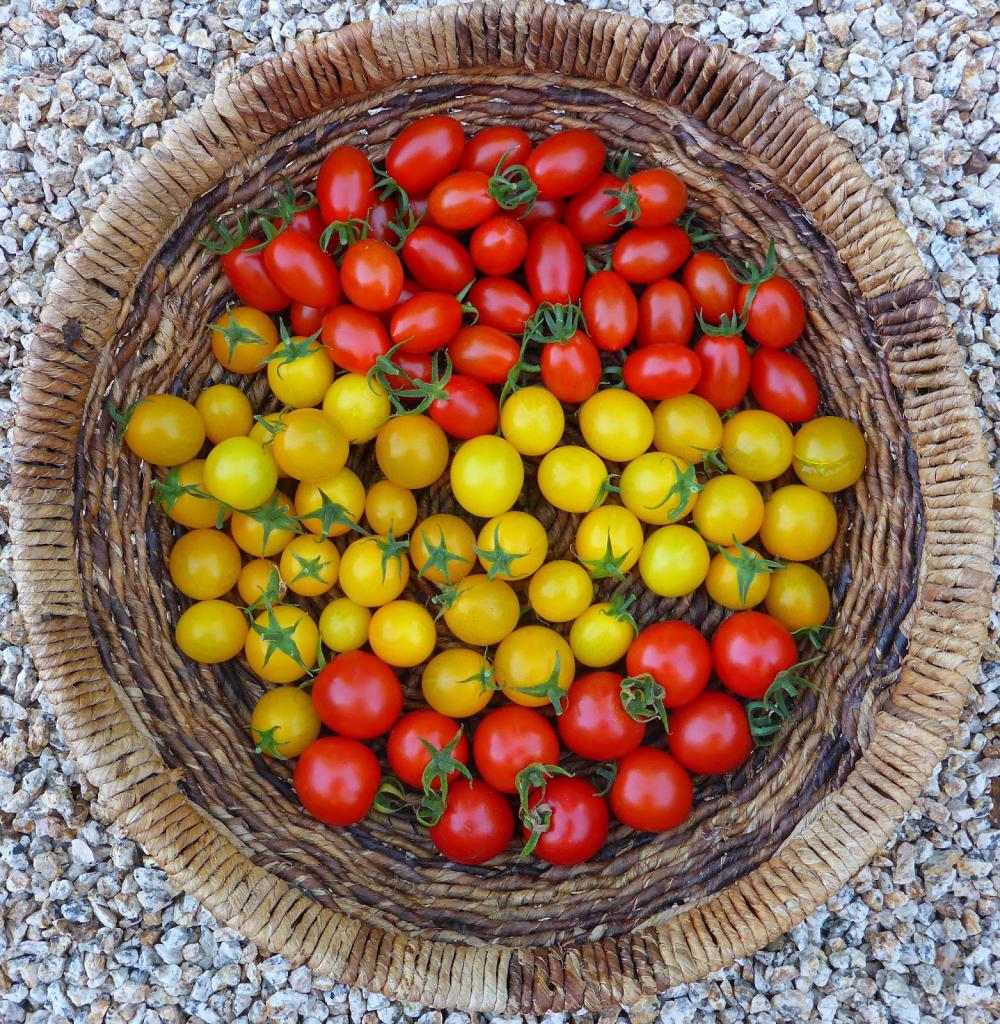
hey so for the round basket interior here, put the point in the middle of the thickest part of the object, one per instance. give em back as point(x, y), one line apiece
point(374, 903)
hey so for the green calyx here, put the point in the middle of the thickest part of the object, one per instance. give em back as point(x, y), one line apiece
point(270, 595)
point(392, 550)
point(342, 234)
point(170, 490)
point(290, 350)
point(390, 798)
point(749, 564)
point(730, 326)
point(122, 417)
point(551, 323)
point(604, 777)
point(767, 715)
point(285, 203)
point(712, 460)
point(537, 819)
point(699, 237)
point(439, 556)
point(278, 638)
point(642, 698)
point(234, 335)
point(620, 609)
point(310, 568)
point(685, 486)
point(626, 209)
point(813, 635)
point(511, 187)
point(331, 513)
point(274, 515)
point(227, 240)
point(434, 780)
point(606, 488)
point(608, 566)
point(499, 561)
point(485, 677)
point(268, 743)
point(549, 689)
point(620, 163)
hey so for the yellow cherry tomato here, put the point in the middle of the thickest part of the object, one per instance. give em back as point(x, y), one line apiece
point(358, 406)
point(267, 529)
point(534, 666)
point(240, 473)
point(259, 579)
point(299, 372)
point(573, 479)
point(729, 510)
point(739, 578)
point(674, 561)
point(390, 507)
point(374, 571)
point(343, 625)
point(442, 548)
point(487, 475)
point(756, 445)
point(659, 488)
point(512, 545)
point(603, 633)
point(402, 633)
point(242, 338)
point(458, 682)
point(829, 454)
point(560, 591)
point(798, 598)
point(282, 644)
point(532, 420)
point(211, 631)
point(479, 611)
point(181, 497)
point(204, 564)
point(284, 722)
point(333, 506)
point(411, 451)
point(799, 523)
point(609, 541)
point(686, 426)
point(309, 447)
point(164, 430)
point(309, 565)
point(225, 411)
point(616, 424)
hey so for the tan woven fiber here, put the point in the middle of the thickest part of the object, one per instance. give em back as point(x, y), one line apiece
point(166, 741)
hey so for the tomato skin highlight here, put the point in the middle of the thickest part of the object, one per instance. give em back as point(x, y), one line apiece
point(610, 311)
point(572, 370)
point(712, 288)
point(371, 275)
point(676, 655)
point(749, 649)
point(484, 353)
point(484, 151)
point(501, 303)
point(437, 260)
point(470, 408)
point(590, 213)
point(306, 320)
point(336, 780)
point(594, 724)
point(579, 822)
point(782, 384)
point(777, 314)
point(498, 245)
point(661, 196)
point(357, 695)
point(710, 736)
point(666, 316)
point(424, 152)
point(344, 185)
point(725, 370)
point(462, 201)
point(249, 277)
point(661, 371)
point(477, 825)
point(566, 162)
point(425, 322)
point(300, 268)
point(509, 739)
point(645, 255)
point(554, 265)
point(406, 753)
point(652, 792)
point(354, 338)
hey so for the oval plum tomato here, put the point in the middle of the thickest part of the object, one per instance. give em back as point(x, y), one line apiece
point(544, 210)
point(710, 736)
point(554, 265)
point(477, 824)
point(645, 255)
point(371, 275)
point(306, 320)
point(358, 695)
point(725, 370)
point(300, 268)
point(307, 221)
point(462, 201)
point(498, 246)
point(652, 792)
point(566, 162)
point(661, 371)
point(782, 384)
point(484, 353)
point(485, 150)
point(438, 260)
point(354, 338)
point(572, 369)
point(466, 408)
point(344, 186)
point(656, 196)
point(248, 274)
point(610, 311)
point(578, 822)
point(666, 316)
point(337, 780)
point(408, 756)
point(593, 214)
point(420, 209)
point(712, 288)
point(382, 220)
point(777, 313)
point(749, 650)
point(676, 655)
point(501, 303)
point(509, 739)
point(594, 723)
point(426, 322)
point(424, 152)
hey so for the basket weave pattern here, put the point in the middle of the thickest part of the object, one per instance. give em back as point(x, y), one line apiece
point(165, 741)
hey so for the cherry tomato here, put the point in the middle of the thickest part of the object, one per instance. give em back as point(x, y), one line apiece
point(382, 219)
point(560, 591)
point(185, 506)
point(610, 311)
point(406, 753)
point(652, 792)
point(425, 322)
point(573, 478)
point(797, 597)
point(284, 722)
point(240, 473)
point(210, 632)
point(309, 565)
point(484, 353)
point(659, 197)
point(725, 370)
point(645, 255)
point(782, 384)
point(499, 245)
point(371, 275)
point(554, 266)
point(799, 523)
point(354, 338)
point(309, 446)
point(532, 420)
point(830, 454)
point(343, 625)
point(710, 736)
point(486, 475)
point(674, 561)
point(483, 611)
point(512, 545)
point(462, 201)
point(300, 268)
point(737, 579)
point(484, 151)
point(729, 510)
point(467, 408)
point(712, 288)
point(282, 644)
point(534, 666)
point(616, 424)
point(572, 369)
point(357, 406)
point(337, 780)
point(242, 338)
point(749, 649)
point(578, 824)
point(566, 162)
point(756, 445)
point(372, 573)
point(204, 564)
point(658, 488)
point(308, 222)
point(306, 320)
point(543, 210)
point(247, 273)
point(411, 451)
point(661, 371)
point(676, 655)
point(666, 316)
point(438, 260)
point(686, 426)
point(402, 633)
point(477, 824)
point(608, 540)
point(344, 185)
point(502, 304)
point(165, 430)
point(593, 214)
point(594, 723)
point(508, 740)
point(424, 152)
point(457, 682)
point(443, 549)
point(777, 313)
point(358, 695)
point(420, 211)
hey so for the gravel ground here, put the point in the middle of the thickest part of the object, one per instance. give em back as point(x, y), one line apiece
point(91, 931)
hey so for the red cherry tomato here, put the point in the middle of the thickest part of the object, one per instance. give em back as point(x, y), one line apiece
point(477, 824)
point(371, 275)
point(307, 222)
point(354, 338)
point(660, 195)
point(248, 275)
point(424, 152)
point(566, 162)
point(710, 736)
point(610, 310)
point(666, 316)
point(416, 365)
point(645, 255)
point(554, 265)
point(357, 695)
point(676, 655)
point(777, 313)
point(381, 220)
point(594, 724)
point(498, 246)
point(501, 303)
point(578, 824)
point(782, 384)
point(484, 151)
point(300, 268)
point(462, 201)
point(426, 322)
point(344, 186)
point(509, 739)
point(712, 288)
point(337, 780)
point(406, 753)
point(651, 792)
point(306, 320)
point(467, 408)
point(410, 288)
point(572, 369)
point(661, 371)
point(749, 649)
point(593, 214)
point(438, 260)
point(543, 210)
point(725, 370)
point(484, 353)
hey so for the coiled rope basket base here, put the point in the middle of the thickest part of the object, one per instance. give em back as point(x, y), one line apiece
point(166, 741)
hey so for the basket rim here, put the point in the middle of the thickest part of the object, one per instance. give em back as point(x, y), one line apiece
point(85, 303)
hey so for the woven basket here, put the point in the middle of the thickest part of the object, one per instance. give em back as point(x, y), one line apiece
point(165, 741)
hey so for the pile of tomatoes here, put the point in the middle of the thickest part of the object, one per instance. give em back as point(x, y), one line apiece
point(467, 310)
